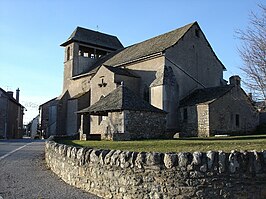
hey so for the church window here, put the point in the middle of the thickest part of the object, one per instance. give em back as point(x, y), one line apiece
point(237, 120)
point(90, 52)
point(93, 56)
point(185, 115)
point(68, 53)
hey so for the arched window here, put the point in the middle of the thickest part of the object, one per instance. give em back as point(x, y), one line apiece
point(68, 53)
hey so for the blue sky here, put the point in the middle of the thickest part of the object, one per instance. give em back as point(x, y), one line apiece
point(31, 32)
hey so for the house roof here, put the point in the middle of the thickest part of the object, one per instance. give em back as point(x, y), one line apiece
point(87, 36)
point(120, 99)
point(121, 71)
point(48, 101)
point(205, 96)
point(9, 97)
point(151, 46)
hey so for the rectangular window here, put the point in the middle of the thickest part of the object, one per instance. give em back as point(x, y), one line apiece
point(100, 119)
point(237, 120)
point(185, 116)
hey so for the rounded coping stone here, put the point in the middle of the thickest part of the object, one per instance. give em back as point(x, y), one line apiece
point(233, 162)
point(197, 158)
point(107, 158)
point(210, 158)
point(125, 157)
point(87, 155)
point(257, 162)
point(221, 161)
point(103, 155)
point(80, 153)
point(95, 156)
point(183, 159)
point(140, 160)
point(153, 159)
point(74, 152)
point(170, 160)
point(69, 149)
point(62, 149)
point(115, 158)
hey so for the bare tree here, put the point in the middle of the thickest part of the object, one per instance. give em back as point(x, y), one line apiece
point(253, 53)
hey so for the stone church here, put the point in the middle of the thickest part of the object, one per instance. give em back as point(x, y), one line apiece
point(153, 89)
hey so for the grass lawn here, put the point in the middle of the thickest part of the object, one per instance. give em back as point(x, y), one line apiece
point(254, 142)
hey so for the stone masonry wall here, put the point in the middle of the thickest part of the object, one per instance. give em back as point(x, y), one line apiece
point(123, 174)
point(144, 125)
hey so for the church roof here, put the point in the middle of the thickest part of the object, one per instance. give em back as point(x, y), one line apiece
point(205, 96)
point(95, 38)
point(131, 53)
point(151, 46)
point(120, 99)
point(121, 71)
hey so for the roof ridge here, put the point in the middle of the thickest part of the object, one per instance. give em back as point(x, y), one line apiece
point(121, 98)
point(188, 25)
point(205, 94)
point(79, 27)
point(85, 35)
point(150, 46)
point(10, 97)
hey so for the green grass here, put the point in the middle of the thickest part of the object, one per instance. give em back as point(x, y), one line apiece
point(255, 142)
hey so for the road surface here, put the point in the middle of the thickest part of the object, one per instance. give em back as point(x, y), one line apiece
point(23, 173)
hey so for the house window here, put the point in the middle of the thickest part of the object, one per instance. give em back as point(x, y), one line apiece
point(100, 119)
point(237, 120)
point(185, 116)
point(68, 54)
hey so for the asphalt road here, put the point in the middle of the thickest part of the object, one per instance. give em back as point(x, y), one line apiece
point(23, 173)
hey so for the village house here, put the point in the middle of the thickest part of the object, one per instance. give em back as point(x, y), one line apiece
point(11, 115)
point(153, 89)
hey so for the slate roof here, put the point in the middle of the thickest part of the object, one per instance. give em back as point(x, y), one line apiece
point(134, 52)
point(122, 71)
point(77, 96)
point(87, 36)
point(149, 47)
point(121, 98)
point(205, 96)
point(10, 98)
point(54, 99)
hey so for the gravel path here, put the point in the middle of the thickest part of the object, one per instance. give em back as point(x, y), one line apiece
point(23, 174)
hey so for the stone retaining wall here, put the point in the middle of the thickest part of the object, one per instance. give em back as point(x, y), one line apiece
point(123, 174)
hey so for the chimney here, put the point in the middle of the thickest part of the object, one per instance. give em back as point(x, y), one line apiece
point(17, 95)
point(235, 80)
point(9, 93)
